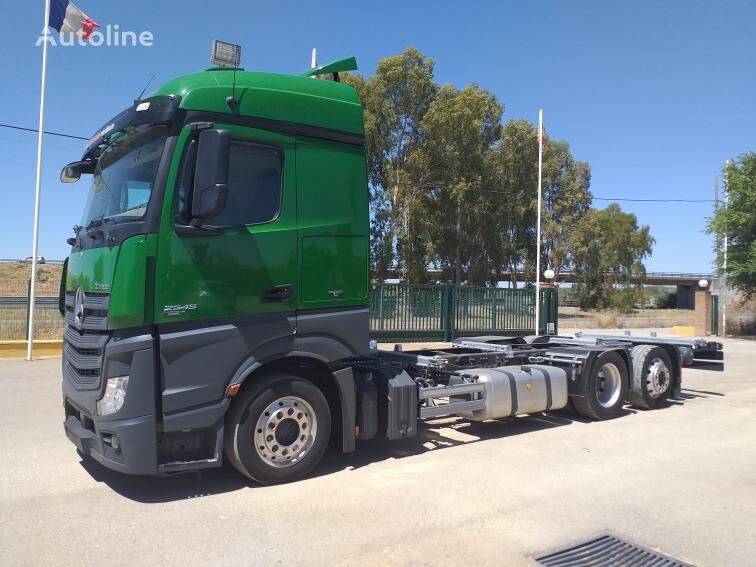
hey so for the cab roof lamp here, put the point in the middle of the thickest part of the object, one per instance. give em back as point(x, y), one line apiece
point(226, 55)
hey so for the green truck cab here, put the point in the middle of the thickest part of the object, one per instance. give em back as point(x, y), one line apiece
point(223, 247)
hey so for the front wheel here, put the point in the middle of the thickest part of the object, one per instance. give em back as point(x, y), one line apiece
point(277, 429)
point(606, 388)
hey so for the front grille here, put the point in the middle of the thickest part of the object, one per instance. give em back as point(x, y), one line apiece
point(85, 338)
point(93, 314)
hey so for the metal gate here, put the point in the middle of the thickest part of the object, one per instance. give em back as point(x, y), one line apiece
point(406, 312)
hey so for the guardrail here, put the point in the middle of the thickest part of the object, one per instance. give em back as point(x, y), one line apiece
point(9, 261)
point(23, 302)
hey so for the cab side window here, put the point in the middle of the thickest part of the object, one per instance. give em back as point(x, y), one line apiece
point(254, 187)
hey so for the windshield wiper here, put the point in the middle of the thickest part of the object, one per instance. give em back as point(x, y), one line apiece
point(94, 228)
point(95, 222)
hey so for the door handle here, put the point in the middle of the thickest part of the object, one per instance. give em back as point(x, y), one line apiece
point(278, 294)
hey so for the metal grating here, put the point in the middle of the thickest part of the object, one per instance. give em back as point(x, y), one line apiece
point(608, 550)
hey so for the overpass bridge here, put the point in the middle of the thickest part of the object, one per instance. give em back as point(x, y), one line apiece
point(686, 282)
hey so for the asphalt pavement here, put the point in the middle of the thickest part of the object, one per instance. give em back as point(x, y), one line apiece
point(681, 480)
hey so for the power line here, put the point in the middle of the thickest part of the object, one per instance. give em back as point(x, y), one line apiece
point(35, 131)
point(654, 200)
point(442, 185)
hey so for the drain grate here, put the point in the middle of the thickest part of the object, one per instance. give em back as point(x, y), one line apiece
point(608, 550)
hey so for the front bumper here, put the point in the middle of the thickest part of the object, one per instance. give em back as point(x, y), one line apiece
point(125, 441)
point(124, 445)
point(137, 439)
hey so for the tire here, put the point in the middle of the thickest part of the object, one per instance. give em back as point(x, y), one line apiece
point(606, 388)
point(278, 429)
point(652, 377)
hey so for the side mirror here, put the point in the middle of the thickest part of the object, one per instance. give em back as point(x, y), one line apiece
point(73, 171)
point(211, 174)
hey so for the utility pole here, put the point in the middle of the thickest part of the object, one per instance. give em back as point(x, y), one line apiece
point(716, 208)
point(724, 263)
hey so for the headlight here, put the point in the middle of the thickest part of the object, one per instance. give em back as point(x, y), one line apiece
point(115, 395)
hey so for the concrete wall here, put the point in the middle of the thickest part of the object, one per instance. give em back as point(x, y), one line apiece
point(741, 313)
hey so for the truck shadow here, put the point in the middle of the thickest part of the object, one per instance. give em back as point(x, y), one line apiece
point(432, 435)
point(447, 433)
point(689, 394)
point(710, 365)
point(169, 488)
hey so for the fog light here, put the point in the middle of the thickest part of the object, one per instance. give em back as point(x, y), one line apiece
point(115, 443)
point(114, 397)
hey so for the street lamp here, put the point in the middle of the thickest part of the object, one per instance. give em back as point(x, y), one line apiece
point(703, 284)
point(549, 274)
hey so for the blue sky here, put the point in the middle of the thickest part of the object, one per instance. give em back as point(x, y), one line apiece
point(655, 95)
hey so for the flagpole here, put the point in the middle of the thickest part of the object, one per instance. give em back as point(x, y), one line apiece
point(538, 226)
point(38, 191)
point(724, 267)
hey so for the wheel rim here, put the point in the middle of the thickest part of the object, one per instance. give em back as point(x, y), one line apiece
point(285, 432)
point(608, 385)
point(657, 378)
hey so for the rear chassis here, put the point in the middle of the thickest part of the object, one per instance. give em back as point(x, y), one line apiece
point(435, 368)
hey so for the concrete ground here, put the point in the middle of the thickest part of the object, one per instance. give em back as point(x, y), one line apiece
point(681, 480)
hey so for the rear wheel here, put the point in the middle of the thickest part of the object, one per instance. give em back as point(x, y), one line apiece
point(652, 377)
point(606, 388)
point(277, 429)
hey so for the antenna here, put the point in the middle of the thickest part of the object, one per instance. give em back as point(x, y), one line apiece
point(231, 101)
point(145, 89)
point(314, 59)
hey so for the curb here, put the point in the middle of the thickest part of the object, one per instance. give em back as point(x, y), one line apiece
point(17, 349)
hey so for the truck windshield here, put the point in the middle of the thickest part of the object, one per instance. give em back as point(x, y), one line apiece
point(124, 177)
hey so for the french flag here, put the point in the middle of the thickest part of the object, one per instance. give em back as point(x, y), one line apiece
point(67, 18)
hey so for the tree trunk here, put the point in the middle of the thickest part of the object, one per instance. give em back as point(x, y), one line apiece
point(458, 255)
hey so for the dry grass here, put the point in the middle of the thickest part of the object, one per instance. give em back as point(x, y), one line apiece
point(573, 317)
point(14, 279)
point(607, 320)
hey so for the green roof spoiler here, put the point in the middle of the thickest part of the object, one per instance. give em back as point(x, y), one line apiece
point(336, 67)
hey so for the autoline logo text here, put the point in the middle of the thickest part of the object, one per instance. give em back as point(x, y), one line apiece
point(110, 36)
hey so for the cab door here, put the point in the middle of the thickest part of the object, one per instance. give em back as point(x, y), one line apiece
point(222, 290)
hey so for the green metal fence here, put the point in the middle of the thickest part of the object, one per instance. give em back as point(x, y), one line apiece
point(14, 306)
point(400, 312)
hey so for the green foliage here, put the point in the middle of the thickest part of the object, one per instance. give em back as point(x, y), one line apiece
point(608, 254)
point(453, 187)
point(567, 200)
point(666, 299)
point(395, 101)
point(515, 176)
point(737, 222)
point(459, 131)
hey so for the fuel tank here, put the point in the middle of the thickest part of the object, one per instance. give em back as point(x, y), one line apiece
point(515, 390)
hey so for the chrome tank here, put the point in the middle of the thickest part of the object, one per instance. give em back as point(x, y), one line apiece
point(516, 390)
